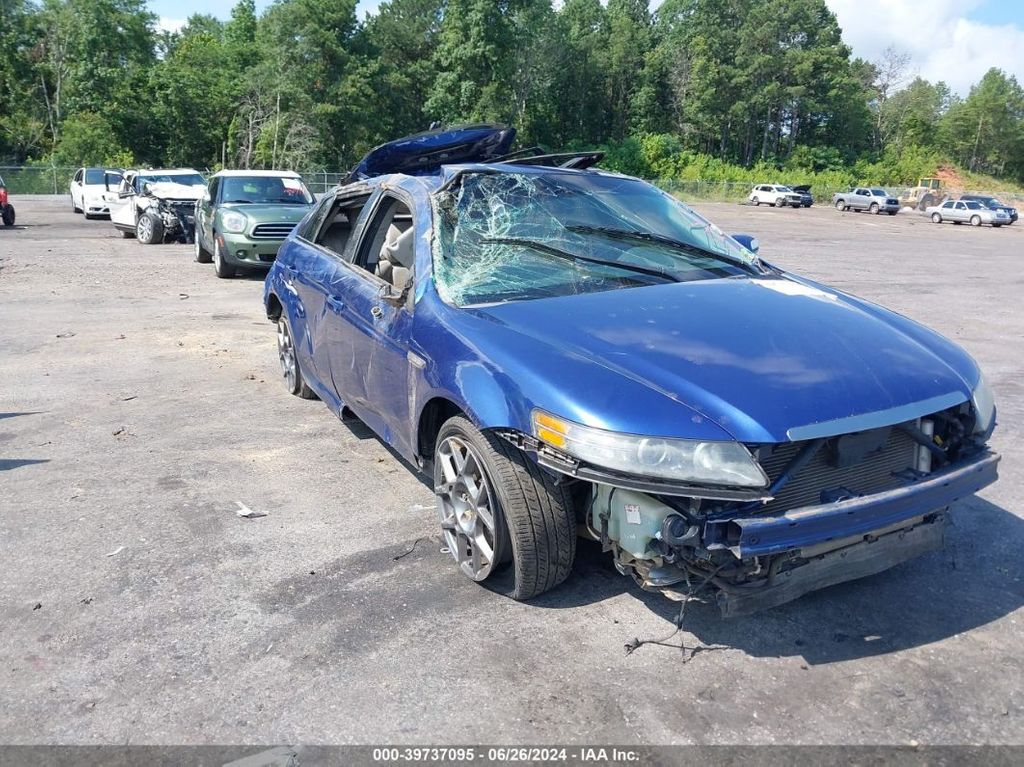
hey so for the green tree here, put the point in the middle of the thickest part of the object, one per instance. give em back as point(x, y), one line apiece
point(985, 131)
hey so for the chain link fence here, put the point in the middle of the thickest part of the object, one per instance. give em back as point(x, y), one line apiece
point(28, 180)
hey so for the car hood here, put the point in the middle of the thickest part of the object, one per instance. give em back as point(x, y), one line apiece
point(268, 213)
point(427, 152)
point(168, 190)
point(767, 360)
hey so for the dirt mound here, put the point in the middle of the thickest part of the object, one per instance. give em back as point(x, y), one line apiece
point(950, 177)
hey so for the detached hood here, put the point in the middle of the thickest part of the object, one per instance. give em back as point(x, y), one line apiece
point(427, 152)
point(767, 360)
point(167, 190)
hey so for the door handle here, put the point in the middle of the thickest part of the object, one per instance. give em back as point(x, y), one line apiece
point(335, 303)
point(377, 312)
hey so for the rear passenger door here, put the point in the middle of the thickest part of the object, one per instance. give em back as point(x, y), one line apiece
point(315, 265)
point(376, 330)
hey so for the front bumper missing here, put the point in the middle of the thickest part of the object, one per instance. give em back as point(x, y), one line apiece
point(813, 525)
point(867, 557)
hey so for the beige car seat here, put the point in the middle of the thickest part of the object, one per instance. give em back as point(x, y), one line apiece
point(396, 256)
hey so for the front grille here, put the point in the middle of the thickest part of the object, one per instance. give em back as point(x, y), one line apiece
point(272, 231)
point(891, 201)
point(821, 477)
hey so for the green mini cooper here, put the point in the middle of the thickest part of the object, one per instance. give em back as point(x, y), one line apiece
point(245, 215)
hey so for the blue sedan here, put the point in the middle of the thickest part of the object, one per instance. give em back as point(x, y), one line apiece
point(568, 351)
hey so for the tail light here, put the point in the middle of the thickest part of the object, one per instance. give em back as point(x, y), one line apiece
point(3, 196)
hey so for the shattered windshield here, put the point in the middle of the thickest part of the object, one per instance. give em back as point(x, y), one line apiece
point(185, 179)
point(520, 236)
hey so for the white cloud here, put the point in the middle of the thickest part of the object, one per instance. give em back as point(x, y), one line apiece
point(170, 25)
point(942, 42)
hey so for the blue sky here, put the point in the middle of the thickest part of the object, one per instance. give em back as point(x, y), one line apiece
point(951, 40)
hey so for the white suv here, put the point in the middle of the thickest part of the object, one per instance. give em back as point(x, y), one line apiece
point(157, 205)
point(775, 194)
point(93, 190)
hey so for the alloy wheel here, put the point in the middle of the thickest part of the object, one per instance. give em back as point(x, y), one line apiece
point(286, 352)
point(144, 229)
point(466, 508)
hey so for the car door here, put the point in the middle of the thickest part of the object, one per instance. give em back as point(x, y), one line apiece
point(76, 188)
point(316, 266)
point(122, 212)
point(859, 199)
point(376, 331)
point(960, 212)
point(205, 207)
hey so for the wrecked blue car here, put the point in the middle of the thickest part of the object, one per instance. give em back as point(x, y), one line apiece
point(568, 351)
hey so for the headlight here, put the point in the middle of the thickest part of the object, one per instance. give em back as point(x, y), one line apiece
point(234, 222)
point(984, 406)
point(683, 460)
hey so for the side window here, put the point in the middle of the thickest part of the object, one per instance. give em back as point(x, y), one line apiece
point(947, 204)
point(386, 248)
point(214, 188)
point(961, 206)
point(336, 223)
point(78, 176)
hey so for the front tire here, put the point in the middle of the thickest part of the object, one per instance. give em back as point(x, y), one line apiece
point(8, 216)
point(936, 218)
point(149, 230)
point(290, 369)
point(780, 202)
point(221, 266)
point(841, 206)
point(873, 208)
point(975, 220)
point(503, 518)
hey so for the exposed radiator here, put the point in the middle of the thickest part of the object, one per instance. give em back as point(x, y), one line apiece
point(873, 474)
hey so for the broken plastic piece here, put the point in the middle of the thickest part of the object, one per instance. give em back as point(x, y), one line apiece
point(245, 511)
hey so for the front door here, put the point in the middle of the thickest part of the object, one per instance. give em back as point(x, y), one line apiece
point(122, 212)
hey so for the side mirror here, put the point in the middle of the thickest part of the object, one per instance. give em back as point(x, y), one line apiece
point(126, 193)
point(748, 241)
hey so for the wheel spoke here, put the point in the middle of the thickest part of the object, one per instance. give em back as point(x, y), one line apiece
point(451, 473)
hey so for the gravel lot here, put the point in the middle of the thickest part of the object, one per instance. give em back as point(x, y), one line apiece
point(141, 400)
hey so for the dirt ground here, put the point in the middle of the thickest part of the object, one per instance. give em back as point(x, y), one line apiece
point(141, 400)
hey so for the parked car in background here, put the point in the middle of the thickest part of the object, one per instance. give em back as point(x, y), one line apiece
point(157, 205)
point(93, 190)
point(775, 194)
point(967, 212)
point(6, 209)
point(245, 215)
point(804, 190)
point(871, 199)
point(456, 309)
point(992, 203)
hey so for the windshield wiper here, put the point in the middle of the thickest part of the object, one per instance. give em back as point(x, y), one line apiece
point(550, 250)
point(660, 239)
point(233, 202)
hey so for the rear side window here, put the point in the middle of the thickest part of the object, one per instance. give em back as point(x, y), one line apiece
point(335, 224)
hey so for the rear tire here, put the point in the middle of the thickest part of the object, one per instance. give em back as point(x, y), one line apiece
point(756, 202)
point(8, 216)
point(531, 538)
point(223, 269)
point(290, 369)
point(841, 206)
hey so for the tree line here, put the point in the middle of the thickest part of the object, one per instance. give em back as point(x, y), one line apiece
point(697, 88)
